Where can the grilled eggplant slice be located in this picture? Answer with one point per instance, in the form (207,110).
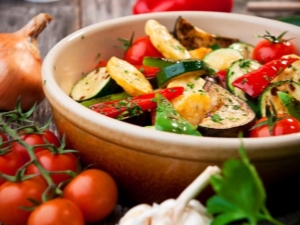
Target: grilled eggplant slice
(192,37)
(229,115)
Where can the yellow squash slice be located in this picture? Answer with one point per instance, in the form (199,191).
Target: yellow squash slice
(128,77)
(165,42)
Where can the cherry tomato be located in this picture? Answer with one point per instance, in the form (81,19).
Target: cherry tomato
(14,196)
(140,48)
(54,163)
(94,192)
(51,137)
(30,139)
(10,162)
(286,125)
(271,49)
(56,211)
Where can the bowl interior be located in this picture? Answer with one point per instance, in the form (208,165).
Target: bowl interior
(79,52)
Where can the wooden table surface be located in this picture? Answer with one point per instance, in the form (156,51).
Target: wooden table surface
(71,15)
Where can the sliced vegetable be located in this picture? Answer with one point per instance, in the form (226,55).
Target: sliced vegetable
(128,77)
(229,115)
(192,37)
(291,104)
(108,98)
(164,41)
(270,95)
(194,103)
(148,71)
(238,69)
(182,68)
(97,83)
(244,48)
(129,107)
(221,59)
(292,72)
(168,119)
(255,82)
(158,62)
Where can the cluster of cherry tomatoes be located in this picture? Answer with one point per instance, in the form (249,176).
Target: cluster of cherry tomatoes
(27,196)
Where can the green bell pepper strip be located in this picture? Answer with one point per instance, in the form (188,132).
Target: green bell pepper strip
(134,106)
(168,119)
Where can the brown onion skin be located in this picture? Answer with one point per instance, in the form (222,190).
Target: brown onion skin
(20,66)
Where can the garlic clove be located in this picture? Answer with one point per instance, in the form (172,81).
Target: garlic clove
(138,215)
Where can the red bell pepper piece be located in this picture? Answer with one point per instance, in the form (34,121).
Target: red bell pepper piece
(134,105)
(148,71)
(255,82)
(146,6)
(102,63)
(222,77)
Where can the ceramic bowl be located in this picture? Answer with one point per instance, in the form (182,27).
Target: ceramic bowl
(150,165)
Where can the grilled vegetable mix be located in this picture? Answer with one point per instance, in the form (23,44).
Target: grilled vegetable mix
(41,182)
(197,83)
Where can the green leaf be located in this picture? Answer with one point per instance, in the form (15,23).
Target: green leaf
(292,104)
(240,194)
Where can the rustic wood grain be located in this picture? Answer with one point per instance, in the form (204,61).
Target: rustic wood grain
(71,15)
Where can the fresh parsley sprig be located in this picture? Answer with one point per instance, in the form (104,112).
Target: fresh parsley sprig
(240,194)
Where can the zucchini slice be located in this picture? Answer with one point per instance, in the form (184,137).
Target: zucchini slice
(158,62)
(164,41)
(221,59)
(128,77)
(107,98)
(95,84)
(238,69)
(229,116)
(244,48)
(192,37)
(270,95)
(182,68)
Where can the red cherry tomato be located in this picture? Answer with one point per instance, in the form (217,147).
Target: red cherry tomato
(267,50)
(35,139)
(54,163)
(140,48)
(30,139)
(94,192)
(51,137)
(14,196)
(286,125)
(56,211)
(3,137)
(10,162)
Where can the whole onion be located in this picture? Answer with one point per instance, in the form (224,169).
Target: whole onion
(20,65)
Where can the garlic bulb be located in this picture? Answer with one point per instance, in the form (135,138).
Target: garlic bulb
(20,65)
(183,211)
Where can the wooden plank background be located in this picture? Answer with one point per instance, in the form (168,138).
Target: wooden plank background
(71,15)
